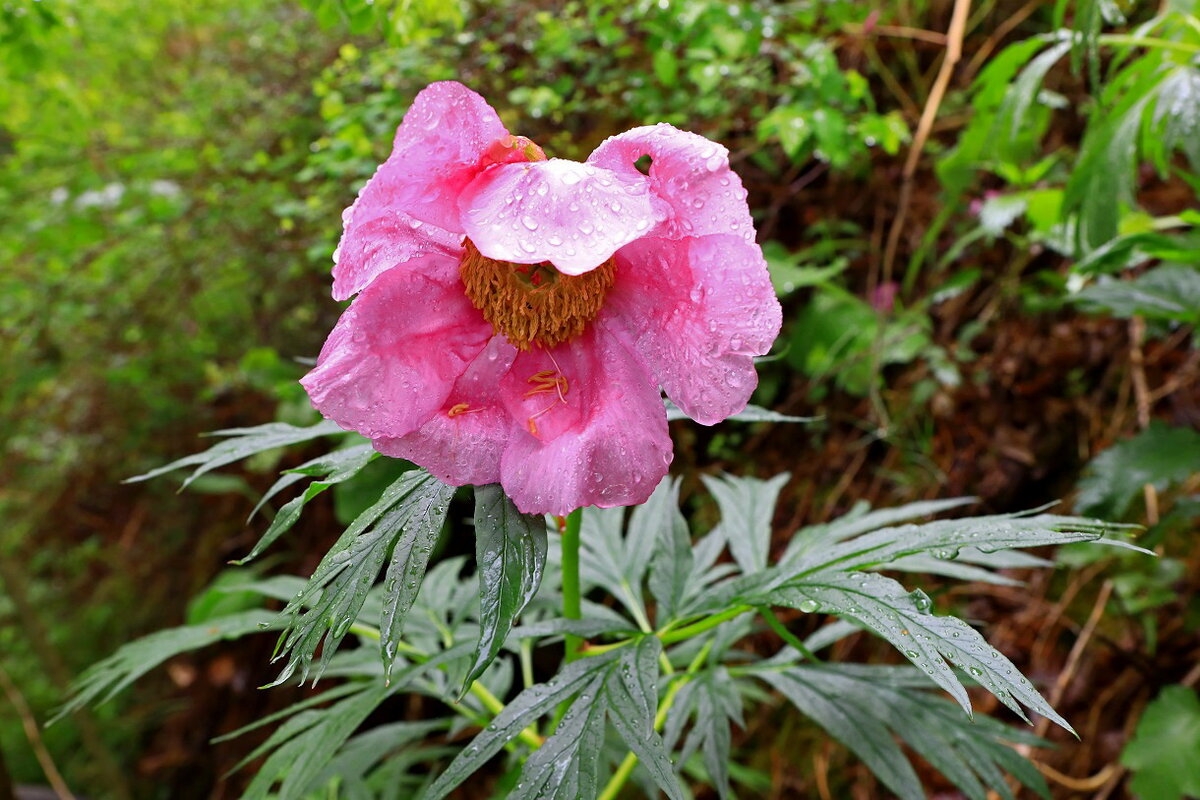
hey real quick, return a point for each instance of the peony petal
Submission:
(396, 352)
(441, 145)
(699, 311)
(604, 442)
(464, 448)
(573, 215)
(687, 171)
(371, 246)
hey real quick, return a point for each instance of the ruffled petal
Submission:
(603, 441)
(375, 240)
(699, 310)
(393, 357)
(462, 443)
(573, 215)
(441, 145)
(688, 172)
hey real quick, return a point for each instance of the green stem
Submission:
(775, 624)
(630, 761)
(688, 631)
(572, 599)
(485, 697)
(492, 703)
(1140, 41)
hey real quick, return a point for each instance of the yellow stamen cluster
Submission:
(533, 303)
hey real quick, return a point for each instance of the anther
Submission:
(533, 303)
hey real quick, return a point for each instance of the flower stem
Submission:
(572, 608)
(625, 769)
(489, 701)
(688, 631)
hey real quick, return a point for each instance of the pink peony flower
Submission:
(517, 316)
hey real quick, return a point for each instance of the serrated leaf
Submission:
(510, 550)
(712, 702)
(605, 554)
(851, 724)
(945, 538)
(862, 520)
(1165, 748)
(333, 596)
(351, 767)
(303, 746)
(647, 522)
(104, 679)
(1170, 293)
(242, 443)
(868, 705)
(879, 548)
(1161, 455)
(904, 619)
(671, 562)
(525, 708)
(632, 694)
(405, 574)
(565, 767)
(585, 628)
(336, 467)
(747, 506)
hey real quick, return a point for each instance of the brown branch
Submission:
(1141, 393)
(1002, 30)
(34, 735)
(897, 31)
(954, 39)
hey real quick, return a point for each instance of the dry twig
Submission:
(954, 39)
(34, 735)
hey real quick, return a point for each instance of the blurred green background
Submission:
(1009, 314)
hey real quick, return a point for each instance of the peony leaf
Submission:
(864, 707)
(412, 506)
(525, 708)
(566, 766)
(510, 549)
(242, 443)
(1160, 455)
(1165, 749)
(104, 679)
(332, 468)
(747, 506)
(927, 640)
(633, 696)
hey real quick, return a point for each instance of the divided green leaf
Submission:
(510, 551)
(866, 707)
(903, 618)
(242, 443)
(402, 523)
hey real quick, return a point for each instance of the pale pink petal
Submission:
(441, 145)
(573, 215)
(699, 311)
(689, 172)
(602, 442)
(396, 352)
(462, 443)
(371, 245)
